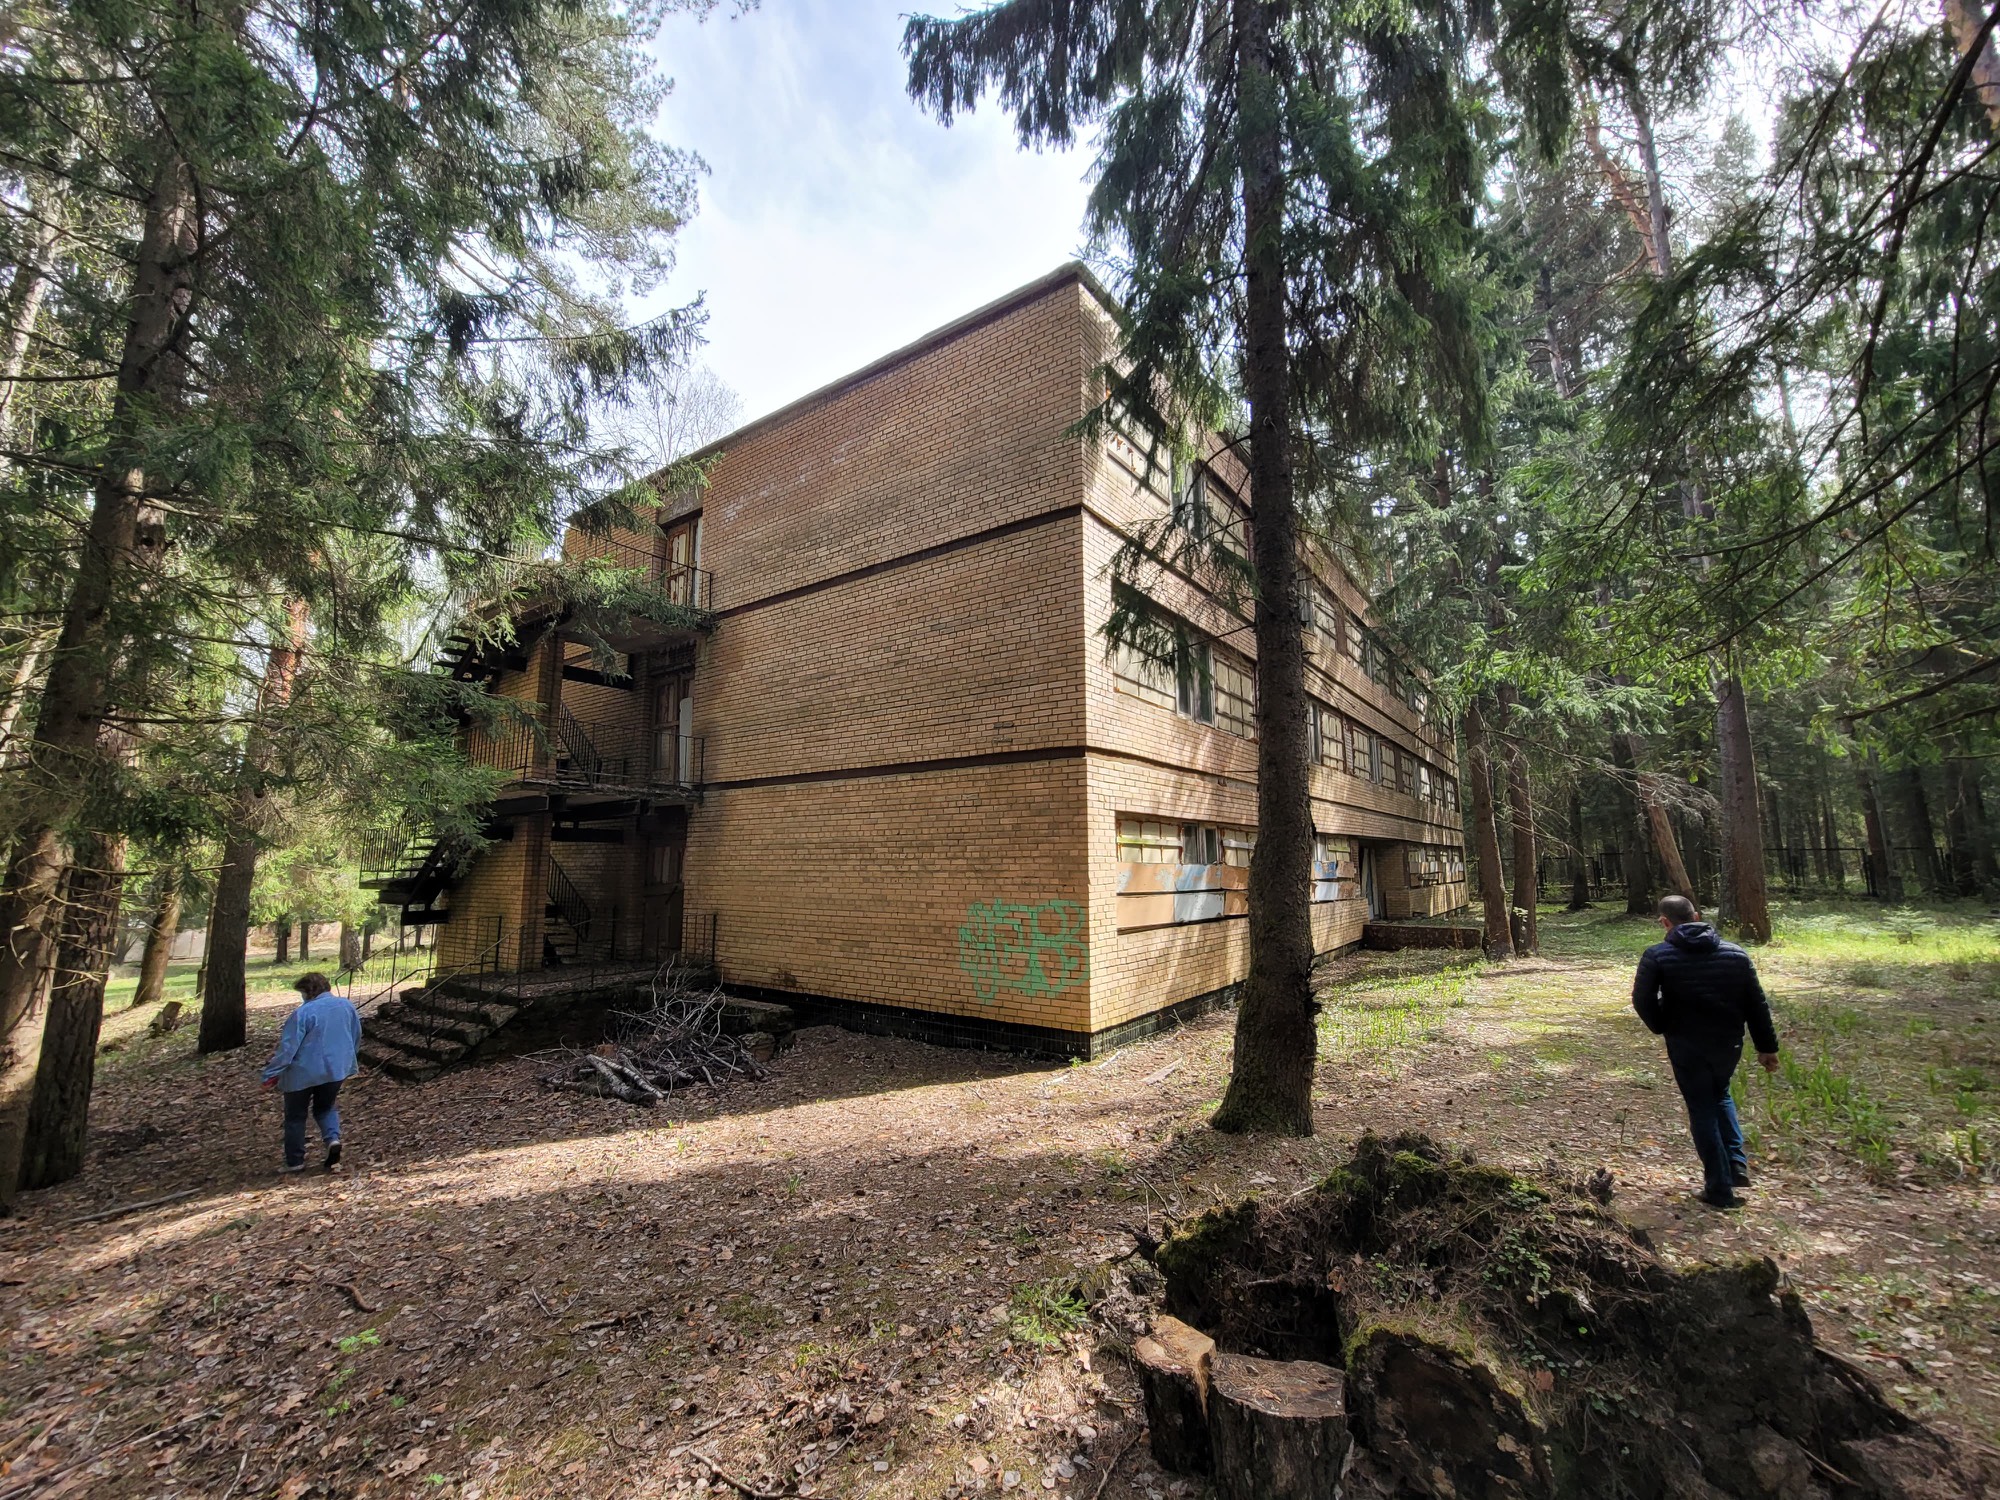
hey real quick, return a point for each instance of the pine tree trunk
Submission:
(59, 1116)
(122, 541)
(282, 931)
(1968, 27)
(350, 947)
(224, 996)
(1527, 896)
(17, 1084)
(1499, 940)
(1270, 1085)
(1836, 863)
(225, 1004)
(160, 935)
(1638, 835)
(24, 304)
(1628, 750)
(1579, 880)
(1742, 831)
(1923, 834)
(1888, 879)
(305, 939)
(19, 690)
(1971, 807)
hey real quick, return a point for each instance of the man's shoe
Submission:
(332, 1155)
(1739, 1179)
(1721, 1200)
(288, 1170)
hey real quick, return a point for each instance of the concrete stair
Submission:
(422, 1032)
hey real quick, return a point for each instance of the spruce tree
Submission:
(1289, 187)
(335, 296)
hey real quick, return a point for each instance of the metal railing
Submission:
(605, 758)
(682, 582)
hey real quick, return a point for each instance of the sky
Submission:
(838, 221)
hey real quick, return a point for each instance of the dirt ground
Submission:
(856, 1279)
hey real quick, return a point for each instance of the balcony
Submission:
(602, 760)
(672, 604)
(679, 602)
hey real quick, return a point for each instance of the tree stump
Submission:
(1277, 1429)
(1173, 1372)
(1433, 1418)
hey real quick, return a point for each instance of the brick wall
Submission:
(958, 890)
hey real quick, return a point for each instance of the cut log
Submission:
(1277, 1429)
(1173, 1372)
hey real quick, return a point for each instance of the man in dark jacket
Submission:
(1699, 993)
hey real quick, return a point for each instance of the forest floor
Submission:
(856, 1278)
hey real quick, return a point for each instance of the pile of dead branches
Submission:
(677, 1041)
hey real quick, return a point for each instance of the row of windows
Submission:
(1191, 872)
(1433, 864)
(1146, 841)
(1343, 745)
(1206, 509)
(1176, 667)
(1333, 633)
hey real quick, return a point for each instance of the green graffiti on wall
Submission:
(1031, 950)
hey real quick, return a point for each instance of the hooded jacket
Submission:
(1697, 988)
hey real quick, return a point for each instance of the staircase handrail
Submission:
(576, 740)
(567, 899)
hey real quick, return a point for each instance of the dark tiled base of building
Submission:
(944, 1030)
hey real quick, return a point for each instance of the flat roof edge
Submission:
(1070, 271)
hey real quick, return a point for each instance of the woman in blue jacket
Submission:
(315, 1054)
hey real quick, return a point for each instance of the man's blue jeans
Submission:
(318, 1101)
(1703, 1073)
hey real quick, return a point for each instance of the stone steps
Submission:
(422, 1032)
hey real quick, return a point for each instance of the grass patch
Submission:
(1041, 1312)
(1377, 1014)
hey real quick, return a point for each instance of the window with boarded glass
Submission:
(1363, 748)
(1171, 872)
(1336, 871)
(1235, 699)
(1329, 737)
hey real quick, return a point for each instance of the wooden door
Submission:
(673, 726)
(677, 574)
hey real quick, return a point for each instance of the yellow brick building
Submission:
(886, 765)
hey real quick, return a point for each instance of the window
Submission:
(1336, 874)
(1172, 665)
(1205, 510)
(1144, 841)
(1235, 693)
(1424, 784)
(1329, 737)
(1191, 502)
(1406, 773)
(1363, 750)
(1325, 625)
(1171, 872)
(1354, 643)
(1138, 669)
(1196, 698)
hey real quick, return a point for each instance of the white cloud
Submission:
(839, 220)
